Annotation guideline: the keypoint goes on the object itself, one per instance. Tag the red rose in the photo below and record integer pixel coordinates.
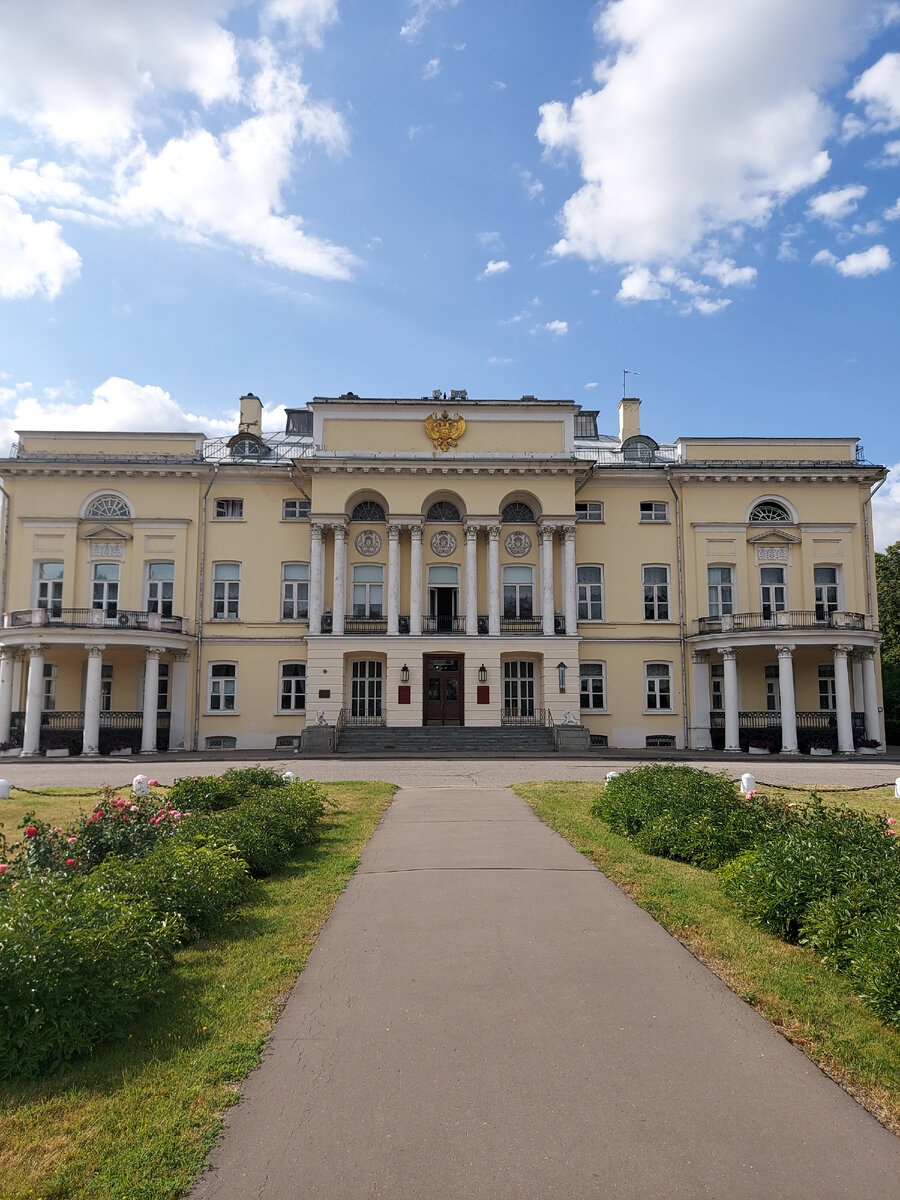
(31, 831)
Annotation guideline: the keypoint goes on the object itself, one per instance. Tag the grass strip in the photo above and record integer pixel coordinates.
(806, 1002)
(137, 1119)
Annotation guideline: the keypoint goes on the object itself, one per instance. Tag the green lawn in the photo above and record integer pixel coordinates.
(809, 1004)
(137, 1119)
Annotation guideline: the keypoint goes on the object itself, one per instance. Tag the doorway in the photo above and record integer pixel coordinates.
(443, 691)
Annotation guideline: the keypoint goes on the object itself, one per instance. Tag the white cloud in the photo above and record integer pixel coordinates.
(886, 510)
(422, 10)
(431, 68)
(641, 284)
(836, 204)
(308, 18)
(892, 213)
(517, 319)
(878, 90)
(708, 307)
(496, 361)
(34, 259)
(490, 239)
(557, 328)
(866, 262)
(533, 187)
(494, 267)
(706, 118)
(728, 273)
(592, 384)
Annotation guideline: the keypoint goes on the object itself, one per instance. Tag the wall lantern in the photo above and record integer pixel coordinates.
(561, 668)
(482, 674)
(404, 673)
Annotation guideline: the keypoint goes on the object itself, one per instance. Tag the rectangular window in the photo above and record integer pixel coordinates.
(825, 582)
(160, 587)
(292, 692)
(659, 686)
(222, 687)
(592, 510)
(773, 689)
(226, 591)
(368, 590)
(772, 591)
(654, 510)
(720, 593)
(106, 685)
(827, 702)
(593, 694)
(229, 510)
(49, 588)
(295, 510)
(105, 588)
(717, 687)
(294, 591)
(518, 592)
(365, 689)
(48, 691)
(162, 694)
(518, 689)
(656, 593)
(590, 593)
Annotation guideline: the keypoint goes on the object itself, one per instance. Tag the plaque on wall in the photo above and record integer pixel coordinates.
(443, 543)
(324, 693)
(518, 544)
(368, 543)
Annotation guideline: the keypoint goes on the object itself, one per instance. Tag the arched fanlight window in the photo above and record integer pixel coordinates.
(516, 513)
(769, 511)
(108, 506)
(443, 510)
(367, 510)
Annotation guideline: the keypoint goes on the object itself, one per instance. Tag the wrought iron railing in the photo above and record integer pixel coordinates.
(811, 727)
(64, 729)
(365, 625)
(791, 619)
(443, 624)
(110, 617)
(522, 625)
(523, 715)
(355, 720)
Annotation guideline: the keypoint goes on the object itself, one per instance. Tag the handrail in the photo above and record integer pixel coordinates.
(109, 618)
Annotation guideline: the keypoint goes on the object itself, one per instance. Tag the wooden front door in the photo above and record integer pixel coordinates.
(443, 689)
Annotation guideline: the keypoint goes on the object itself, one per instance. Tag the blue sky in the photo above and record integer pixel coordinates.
(300, 197)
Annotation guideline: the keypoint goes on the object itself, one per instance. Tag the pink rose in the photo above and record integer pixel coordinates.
(153, 783)
(134, 808)
(4, 867)
(892, 820)
(31, 831)
(72, 840)
(99, 813)
(57, 829)
(70, 862)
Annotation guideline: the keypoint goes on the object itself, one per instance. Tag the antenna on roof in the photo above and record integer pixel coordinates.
(625, 373)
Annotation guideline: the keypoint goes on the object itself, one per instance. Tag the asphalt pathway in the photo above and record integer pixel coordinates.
(486, 1015)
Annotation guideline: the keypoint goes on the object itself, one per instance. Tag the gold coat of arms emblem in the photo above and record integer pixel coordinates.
(444, 430)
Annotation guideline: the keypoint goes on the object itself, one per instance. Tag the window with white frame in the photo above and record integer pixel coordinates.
(294, 591)
(160, 587)
(658, 678)
(589, 510)
(226, 591)
(108, 506)
(365, 688)
(770, 512)
(49, 588)
(162, 690)
(48, 688)
(773, 688)
(593, 689)
(294, 509)
(656, 593)
(106, 686)
(654, 511)
(105, 588)
(222, 687)
(368, 590)
(825, 583)
(772, 591)
(518, 689)
(229, 510)
(518, 592)
(292, 687)
(590, 593)
(720, 591)
(717, 687)
(827, 701)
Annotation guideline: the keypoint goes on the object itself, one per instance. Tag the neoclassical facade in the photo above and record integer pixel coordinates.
(437, 561)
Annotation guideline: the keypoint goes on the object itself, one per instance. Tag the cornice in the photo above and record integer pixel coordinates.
(457, 465)
(105, 471)
(776, 473)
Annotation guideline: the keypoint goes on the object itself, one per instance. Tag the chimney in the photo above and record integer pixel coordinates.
(251, 414)
(629, 418)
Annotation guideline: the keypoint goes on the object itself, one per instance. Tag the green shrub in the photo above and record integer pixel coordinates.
(264, 777)
(213, 793)
(78, 963)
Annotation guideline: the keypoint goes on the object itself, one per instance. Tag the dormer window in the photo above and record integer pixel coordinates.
(248, 446)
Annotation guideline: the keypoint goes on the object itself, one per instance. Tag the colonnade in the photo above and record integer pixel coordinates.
(548, 535)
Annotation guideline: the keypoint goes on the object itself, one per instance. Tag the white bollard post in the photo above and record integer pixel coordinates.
(748, 783)
(611, 775)
(288, 776)
(139, 786)
(897, 789)
(4, 789)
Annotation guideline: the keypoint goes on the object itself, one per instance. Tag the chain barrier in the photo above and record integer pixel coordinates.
(78, 795)
(789, 787)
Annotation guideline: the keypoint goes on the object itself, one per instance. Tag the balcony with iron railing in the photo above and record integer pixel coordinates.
(441, 626)
(108, 618)
(754, 622)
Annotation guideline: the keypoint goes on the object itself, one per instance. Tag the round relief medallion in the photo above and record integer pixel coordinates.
(518, 544)
(368, 542)
(443, 543)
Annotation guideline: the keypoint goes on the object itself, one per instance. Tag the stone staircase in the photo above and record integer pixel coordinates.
(439, 741)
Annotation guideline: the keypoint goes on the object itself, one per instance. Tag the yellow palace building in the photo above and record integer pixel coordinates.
(383, 566)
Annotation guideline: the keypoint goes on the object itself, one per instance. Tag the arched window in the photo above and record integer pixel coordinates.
(769, 511)
(516, 513)
(367, 510)
(443, 510)
(108, 506)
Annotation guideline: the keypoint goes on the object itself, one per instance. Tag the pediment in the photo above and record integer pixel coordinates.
(774, 537)
(106, 533)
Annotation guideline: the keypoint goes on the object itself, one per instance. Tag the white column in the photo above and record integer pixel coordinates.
(859, 693)
(788, 700)
(316, 578)
(178, 711)
(7, 665)
(339, 599)
(732, 721)
(471, 580)
(701, 738)
(91, 739)
(546, 534)
(842, 699)
(31, 737)
(151, 699)
(570, 580)
(870, 696)
(493, 579)
(415, 580)
(393, 580)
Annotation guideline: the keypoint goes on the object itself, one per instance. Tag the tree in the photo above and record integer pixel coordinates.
(887, 580)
